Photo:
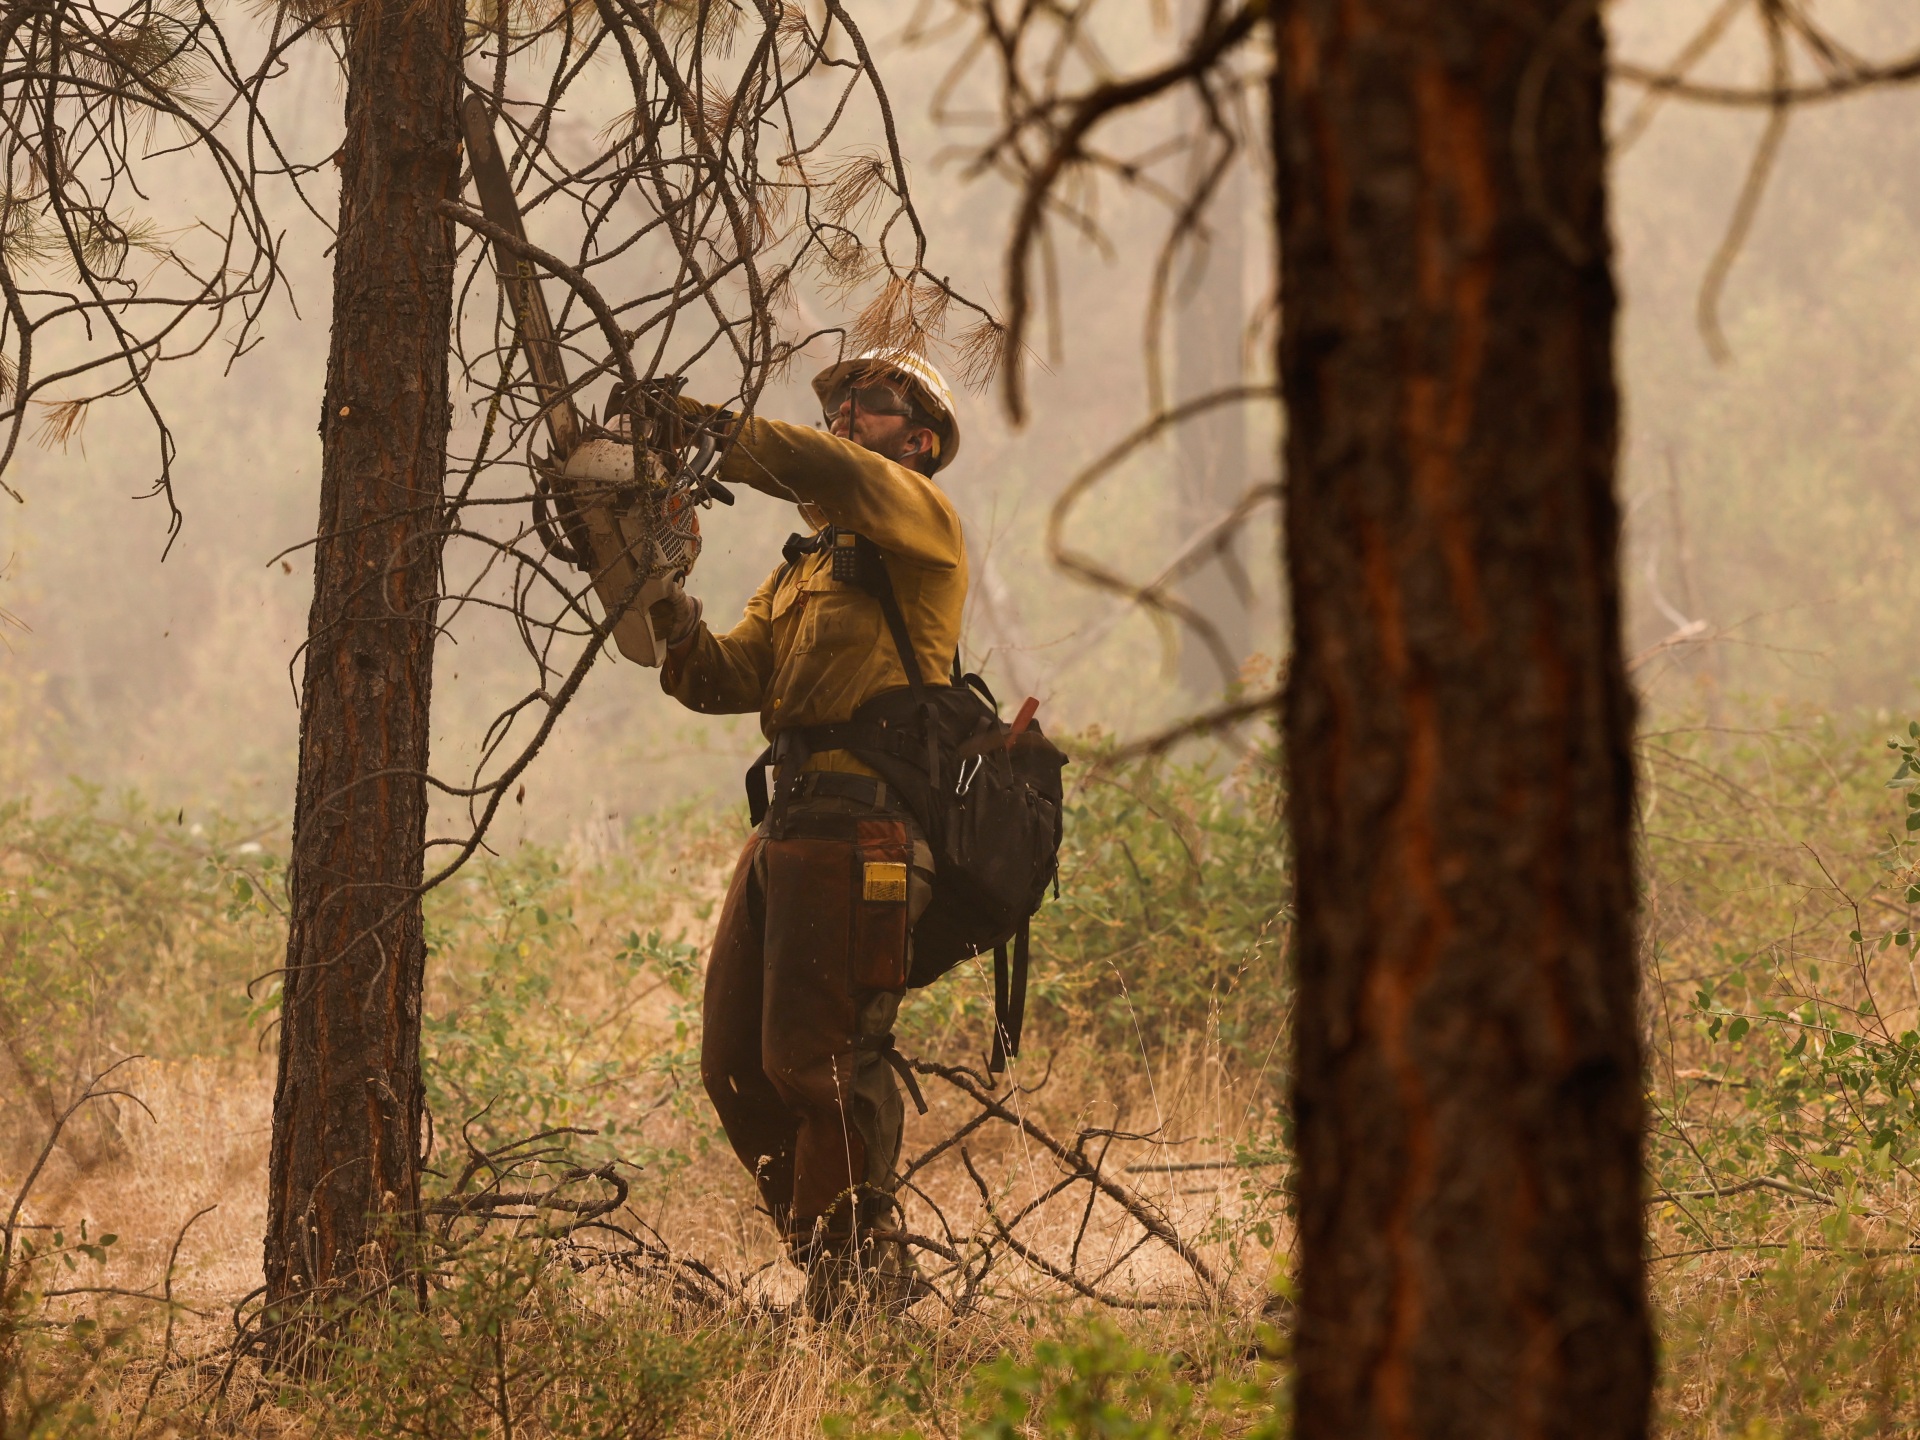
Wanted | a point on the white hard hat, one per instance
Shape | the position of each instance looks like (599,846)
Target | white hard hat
(928,385)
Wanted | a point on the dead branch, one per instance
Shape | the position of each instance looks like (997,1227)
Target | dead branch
(1048,1268)
(1177,1167)
(1210,722)
(1074,1160)
(1784,28)
(507,1197)
(1759,1182)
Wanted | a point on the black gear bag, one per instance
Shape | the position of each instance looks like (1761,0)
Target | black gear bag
(987,795)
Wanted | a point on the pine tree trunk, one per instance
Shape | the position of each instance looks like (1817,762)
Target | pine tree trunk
(1457,723)
(345,1167)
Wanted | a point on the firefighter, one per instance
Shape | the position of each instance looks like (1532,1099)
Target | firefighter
(811,954)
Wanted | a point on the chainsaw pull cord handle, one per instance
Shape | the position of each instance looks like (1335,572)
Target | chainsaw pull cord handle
(707,485)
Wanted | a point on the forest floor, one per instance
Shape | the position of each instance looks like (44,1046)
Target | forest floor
(1109,1244)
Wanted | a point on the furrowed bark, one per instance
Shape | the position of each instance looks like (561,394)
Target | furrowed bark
(1457,725)
(345,1166)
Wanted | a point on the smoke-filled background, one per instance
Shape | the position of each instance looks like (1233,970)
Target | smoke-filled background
(1769,495)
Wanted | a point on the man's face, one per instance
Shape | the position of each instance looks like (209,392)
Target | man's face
(877,416)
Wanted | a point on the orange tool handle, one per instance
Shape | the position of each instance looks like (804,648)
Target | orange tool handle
(1028,708)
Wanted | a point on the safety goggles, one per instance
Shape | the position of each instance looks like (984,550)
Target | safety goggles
(876,398)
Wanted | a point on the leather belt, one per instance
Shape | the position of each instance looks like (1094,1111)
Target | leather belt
(787,753)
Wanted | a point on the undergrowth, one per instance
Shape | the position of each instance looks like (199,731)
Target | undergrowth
(1784,1027)
(515,1344)
(564,994)
(1781,1008)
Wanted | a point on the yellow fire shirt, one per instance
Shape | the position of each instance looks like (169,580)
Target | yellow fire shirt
(811,650)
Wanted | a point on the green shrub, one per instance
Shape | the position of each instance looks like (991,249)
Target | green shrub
(55,1364)
(1797,1345)
(1785,1080)
(1093,1381)
(124,931)
(1170,924)
(569,995)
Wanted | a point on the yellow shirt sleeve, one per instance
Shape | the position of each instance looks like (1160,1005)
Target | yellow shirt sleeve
(727,674)
(811,650)
(900,510)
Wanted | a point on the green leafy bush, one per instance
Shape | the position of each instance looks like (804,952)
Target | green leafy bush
(1803,1345)
(549,1005)
(124,931)
(1093,1381)
(1785,1084)
(1175,894)
(54,1364)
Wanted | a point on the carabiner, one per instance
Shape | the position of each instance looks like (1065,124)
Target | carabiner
(965,782)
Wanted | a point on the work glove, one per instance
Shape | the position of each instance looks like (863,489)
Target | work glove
(675,616)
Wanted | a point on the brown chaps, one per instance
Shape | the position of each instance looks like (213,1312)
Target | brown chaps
(808,968)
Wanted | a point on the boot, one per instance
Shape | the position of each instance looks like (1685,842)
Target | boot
(833,1287)
(891,1280)
(876,1275)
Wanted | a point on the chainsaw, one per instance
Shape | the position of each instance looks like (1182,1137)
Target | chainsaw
(620,499)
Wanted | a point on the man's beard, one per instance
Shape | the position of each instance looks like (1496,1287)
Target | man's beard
(896,450)
(900,454)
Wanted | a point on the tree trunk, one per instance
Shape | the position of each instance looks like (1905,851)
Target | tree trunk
(1457,723)
(345,1168)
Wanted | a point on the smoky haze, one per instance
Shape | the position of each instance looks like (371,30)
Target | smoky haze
(1769,496)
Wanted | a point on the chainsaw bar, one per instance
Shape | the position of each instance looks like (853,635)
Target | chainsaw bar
(532,321)
(605,499)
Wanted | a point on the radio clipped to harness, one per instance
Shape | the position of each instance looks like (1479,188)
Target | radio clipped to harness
(856,564)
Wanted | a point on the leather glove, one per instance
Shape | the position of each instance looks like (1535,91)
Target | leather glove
(675,616)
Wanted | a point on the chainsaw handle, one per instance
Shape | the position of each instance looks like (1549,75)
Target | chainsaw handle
(707,487)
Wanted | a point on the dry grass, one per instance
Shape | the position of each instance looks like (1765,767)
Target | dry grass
(562,992)
(198,1138)
(773,1375)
